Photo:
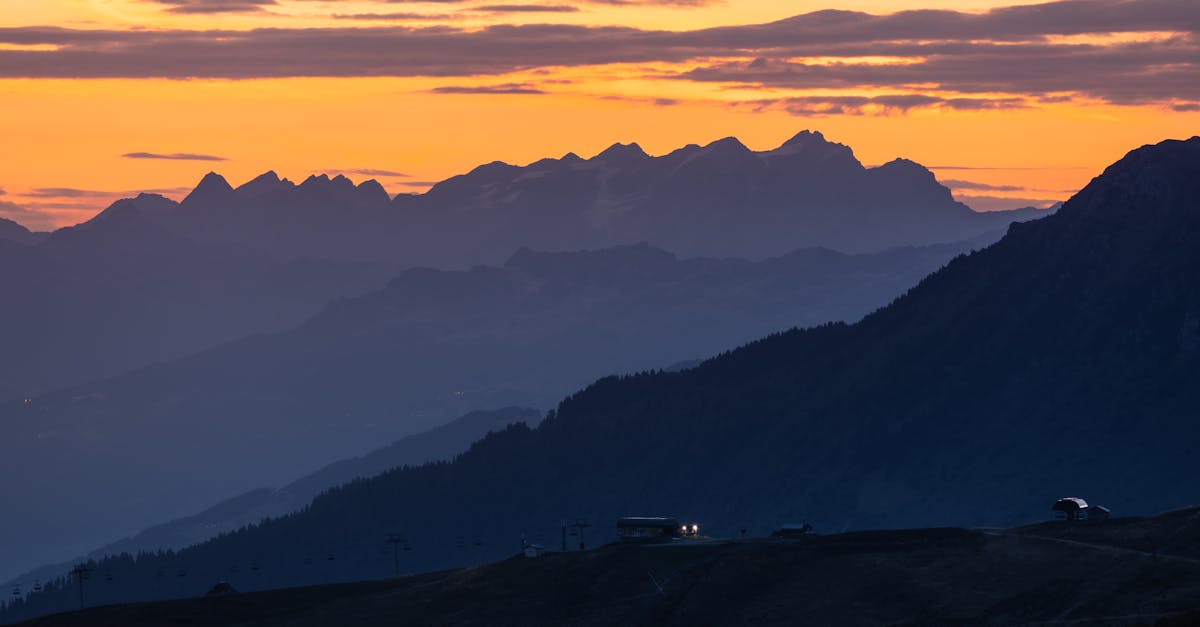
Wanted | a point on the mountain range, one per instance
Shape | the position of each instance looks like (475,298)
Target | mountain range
(1061,360)
(171,439)
(150,279)
(722,199)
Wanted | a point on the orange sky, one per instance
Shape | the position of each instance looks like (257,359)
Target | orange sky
(1008,129)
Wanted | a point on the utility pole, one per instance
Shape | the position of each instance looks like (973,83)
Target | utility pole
(80,571)
(579,526)
(395,540)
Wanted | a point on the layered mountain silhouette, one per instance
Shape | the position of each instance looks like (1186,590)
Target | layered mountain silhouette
(120,291)
(441,443)
(1061,360)
(150,279)
(717,200)
(171,439)
(12,232)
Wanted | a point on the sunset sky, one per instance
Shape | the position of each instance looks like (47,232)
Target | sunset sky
(1014,100)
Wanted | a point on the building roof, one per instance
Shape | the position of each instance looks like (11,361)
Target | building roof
(647,521)
(1070,502)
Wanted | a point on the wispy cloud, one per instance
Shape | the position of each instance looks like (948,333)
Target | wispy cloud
(214,6)
(369,172)
(43,218)
(45,208)
(173,156)
(73,192)
(526,8)
(1003,167)
(816,106)
(506,88)
(983,187)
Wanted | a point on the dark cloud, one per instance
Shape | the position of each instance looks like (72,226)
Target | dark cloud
(983,187)
(876,105)
(1128,73)
(16,213)
(657,3)
(65,192)
(214,6)
(526,8)
(1012,50)
(43,218)
(396,16)
(506,88)
(985,167)
(372,172)
(657,102)
(173,156)
(73,192)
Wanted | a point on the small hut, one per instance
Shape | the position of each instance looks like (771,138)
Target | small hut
(1070,508)
(644,529)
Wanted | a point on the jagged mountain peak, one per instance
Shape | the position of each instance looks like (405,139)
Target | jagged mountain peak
(372,191)
(213,187)
(727,145)
(265,183)
(814,145)
(906,168)
(901,163)
(621,152)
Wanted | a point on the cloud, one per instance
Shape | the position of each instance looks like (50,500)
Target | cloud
(875,105)
(73,192)
(395,16)
(657,102)
(983,187)
(43,218)
(505,88)
(174,156)
(47,208)
(1026,55)
(370,172)
(214,6)
(526,8)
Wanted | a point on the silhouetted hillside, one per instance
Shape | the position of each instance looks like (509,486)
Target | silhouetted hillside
(441,443)
(716,200)
(13,232)
(1061,360)
(1052,574)
(431,346)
